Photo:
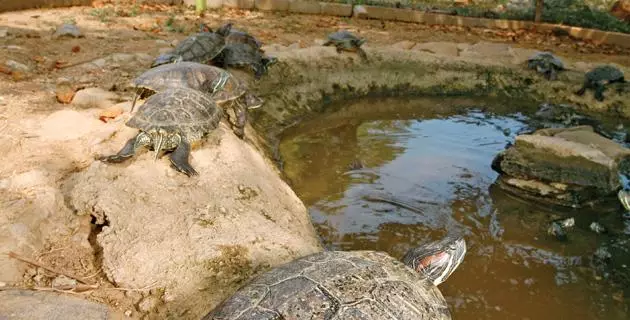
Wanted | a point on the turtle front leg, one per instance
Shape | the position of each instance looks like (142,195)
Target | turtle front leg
(599,92)
(362,54)
(339,49)
(128,151)
(552,74)
(259,70)
(240,110)
(179,158)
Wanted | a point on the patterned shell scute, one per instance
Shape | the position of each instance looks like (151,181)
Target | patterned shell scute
(193,75)
(337,285)
(182,110)
(238,36)
(201,47)
(242,54)
(604,73)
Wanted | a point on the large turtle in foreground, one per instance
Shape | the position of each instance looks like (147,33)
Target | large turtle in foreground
(171,120)
(200,47)
(350,285)
(225,89)
(345,41)
(245,56)
(598,78)
(547,64)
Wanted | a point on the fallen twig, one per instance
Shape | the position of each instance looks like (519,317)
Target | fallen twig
(14,255)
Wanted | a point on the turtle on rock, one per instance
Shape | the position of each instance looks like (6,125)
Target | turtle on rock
(201,47)
(598,78)
(224,88)
(243,55)
(345,41)
(368,285)
(238,36)
(171,120)
(547,64)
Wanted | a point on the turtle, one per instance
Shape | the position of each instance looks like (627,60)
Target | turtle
(546,63)
(243,55)
(171,120)
(624,198)
(345,41)
(360,284)
(598,77)
(225,89)
(200,47)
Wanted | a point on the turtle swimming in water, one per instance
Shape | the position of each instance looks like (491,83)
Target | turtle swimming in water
(345,41)
(547,64)
(171,120)
(243,55)
(350,285)
(600,76)
(224,88)
(200,47)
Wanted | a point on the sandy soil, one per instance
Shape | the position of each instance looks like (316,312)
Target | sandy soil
(28,97)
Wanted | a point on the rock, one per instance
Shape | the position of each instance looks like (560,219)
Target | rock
(488,50)
(64,283)
(621,10)
(403,45)
(359,11)
(67,30)
(67,125)
(15,66)
(32,305)
(4,32)
(167,230)
(568,166)
(64,90)
(95,98)
(148,303)
(441,48)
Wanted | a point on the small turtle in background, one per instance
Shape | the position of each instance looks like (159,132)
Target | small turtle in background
(221,85)
(547,64)
(171,120)
(598,78)
(345,41)
(243,55)
(559,228)
(201,47)
(338,285)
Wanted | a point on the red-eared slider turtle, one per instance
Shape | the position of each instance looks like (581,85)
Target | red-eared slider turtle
(547,64)
(600,76)
(242,55)
(172,119)
(350,285)
(346,41)
(225,89)
(200,47)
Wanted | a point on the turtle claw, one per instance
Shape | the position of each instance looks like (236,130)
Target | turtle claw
(179,159)
(125,153)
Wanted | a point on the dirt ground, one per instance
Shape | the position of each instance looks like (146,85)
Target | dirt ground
(149,29)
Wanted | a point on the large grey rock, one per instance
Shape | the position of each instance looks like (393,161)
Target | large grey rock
(31,305)
(571,165)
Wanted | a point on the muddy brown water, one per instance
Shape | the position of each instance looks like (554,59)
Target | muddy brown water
(425,171)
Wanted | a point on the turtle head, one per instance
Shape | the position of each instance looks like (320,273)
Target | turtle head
(225,29)
(359,42)
(253,101)
(165,59)
(161,139)
(437,260)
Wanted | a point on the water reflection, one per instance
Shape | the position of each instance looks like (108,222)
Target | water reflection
(427,173)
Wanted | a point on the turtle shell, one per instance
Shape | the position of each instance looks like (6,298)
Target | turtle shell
(336,285)
(342,36)
(238,36)
(241,54)
(545,60)
(187,111)
(605,73)
(200,47)
(209,79)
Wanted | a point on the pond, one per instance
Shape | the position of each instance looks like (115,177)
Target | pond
(387,174)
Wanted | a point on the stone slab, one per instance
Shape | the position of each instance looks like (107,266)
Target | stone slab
(210,4)
(272,5)
(239,4)
(32,305)
(305,7)
(336,9)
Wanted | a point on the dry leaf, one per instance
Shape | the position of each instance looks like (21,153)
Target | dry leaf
(110,113)
(76,49)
